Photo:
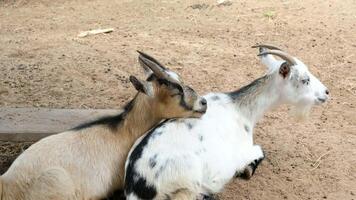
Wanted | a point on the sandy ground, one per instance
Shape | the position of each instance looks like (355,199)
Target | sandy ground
(44,64)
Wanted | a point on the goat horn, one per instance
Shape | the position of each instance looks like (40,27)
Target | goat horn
(157,68)
(290,60)
(267,46)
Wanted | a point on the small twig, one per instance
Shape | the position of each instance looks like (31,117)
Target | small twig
(318,161)
(315,166)
(83,106)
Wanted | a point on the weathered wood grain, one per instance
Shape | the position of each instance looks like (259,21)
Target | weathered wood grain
(32,124)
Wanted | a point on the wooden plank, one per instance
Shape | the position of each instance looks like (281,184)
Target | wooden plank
(32,124)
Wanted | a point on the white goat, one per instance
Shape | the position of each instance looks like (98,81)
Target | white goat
(192,158)
(87,162)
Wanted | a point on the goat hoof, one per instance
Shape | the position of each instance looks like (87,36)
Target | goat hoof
(210,197)
(249,170)
(247,173)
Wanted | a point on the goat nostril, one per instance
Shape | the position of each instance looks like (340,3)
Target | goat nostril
(203,102)
(327,92)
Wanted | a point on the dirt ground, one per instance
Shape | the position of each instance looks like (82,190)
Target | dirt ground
(44,64)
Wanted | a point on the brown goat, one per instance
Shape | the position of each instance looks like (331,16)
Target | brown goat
(87,162)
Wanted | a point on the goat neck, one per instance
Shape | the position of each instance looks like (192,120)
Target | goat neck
(255,99)
(140,116)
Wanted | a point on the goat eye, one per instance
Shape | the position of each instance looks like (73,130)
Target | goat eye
(306,81)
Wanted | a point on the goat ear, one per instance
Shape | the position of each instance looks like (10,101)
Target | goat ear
(284,69)
(142,86)
(149,64)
